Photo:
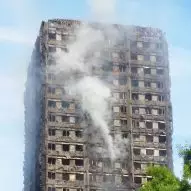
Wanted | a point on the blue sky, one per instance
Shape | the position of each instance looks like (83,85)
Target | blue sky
(19,25)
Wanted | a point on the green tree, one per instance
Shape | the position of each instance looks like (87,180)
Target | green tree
(162,180)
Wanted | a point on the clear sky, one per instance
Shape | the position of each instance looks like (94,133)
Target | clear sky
(19,25)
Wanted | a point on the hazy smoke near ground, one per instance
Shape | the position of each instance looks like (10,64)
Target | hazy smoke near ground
(95,94)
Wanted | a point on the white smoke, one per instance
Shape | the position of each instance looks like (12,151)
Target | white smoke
(95,94)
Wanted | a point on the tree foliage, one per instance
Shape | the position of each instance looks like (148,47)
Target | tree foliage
(164,180)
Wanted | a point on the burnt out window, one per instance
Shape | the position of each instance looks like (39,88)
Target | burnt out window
(162,139)
(66,162)
(51,146)
(79,147)
(51,175)
(51,132)
(162,153)
(66,133)
(133,56)
(159,58)
(51,103)
(138,180)
(136,151)
(65,176)
(78,134)
(149,125)
(51,161)
(134,70)
(65,147)
(124,135)
(147,84)
(123,81)
(52,49)
(159,85)
(135,96)
(51,118)
(65,119)
(161,126)
(79,162)
(160,71)
(123,122)
(79,177)
(51,189)
(149,138)
(123,109)
(147,71)
(148,110)
(51,76)
(125,180)
(137,166)
(122,68)
(150,152)
(52,36)
(51,90)
(148,97)
(135,83)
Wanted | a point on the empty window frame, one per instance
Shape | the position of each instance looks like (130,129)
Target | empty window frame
(134,83)
(123,121)
(138,180)
(65,189)
(52,36)
(65,147)
(123,109)
(133,56)
(123,81)
(79,162)
(148,97)
(147,70)
(78,134)
(51,76)
(135,96)
(65,176)
(161,111)
(162,139)
(162,153)
(51,49)
(51,189)
(149,125)
(51,161)
(65,118)
(161,98)
(125,135)
(51,146)
(160,71)
(65,162)
(51,175)
(51,118)
(79,177)
(51,103)
(147,84)
(148,110)
(122,68)
(149,138)
(125,180)
(159,85)
(123,95)
(51,90)
(65,133)
(161,126)
(137,166)
(79,147)
(136,151)
(65,104)
(149,152)
(51,132)
(134,70)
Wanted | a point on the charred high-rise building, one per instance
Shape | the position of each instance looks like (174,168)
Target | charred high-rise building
(61,152)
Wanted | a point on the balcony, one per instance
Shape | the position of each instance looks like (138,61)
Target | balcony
(66,154)
(69,168)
